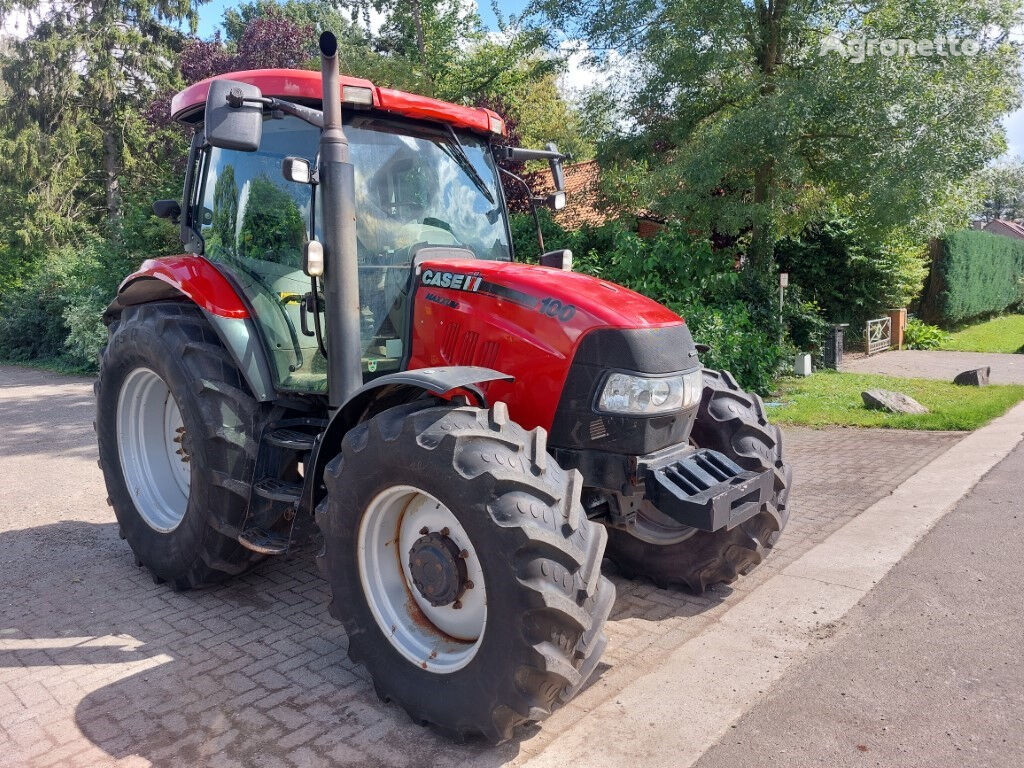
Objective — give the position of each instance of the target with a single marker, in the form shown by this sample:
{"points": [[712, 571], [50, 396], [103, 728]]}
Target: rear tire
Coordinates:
{"points": [[732, 422], [519, 523], [169, 347]]}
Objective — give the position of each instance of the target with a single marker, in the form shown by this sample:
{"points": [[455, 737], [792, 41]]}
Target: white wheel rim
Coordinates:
{"points": [[655, 527], [442, 638], [150, 443]]}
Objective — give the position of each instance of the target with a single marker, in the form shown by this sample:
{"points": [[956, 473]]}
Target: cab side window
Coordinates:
{"points": [[249, 212]]}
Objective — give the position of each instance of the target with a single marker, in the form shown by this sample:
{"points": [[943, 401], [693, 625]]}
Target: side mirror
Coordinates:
{"points": [[167, 209], [557, 259], [234, 116], [555, 163], [296, 169], [556, 201]]}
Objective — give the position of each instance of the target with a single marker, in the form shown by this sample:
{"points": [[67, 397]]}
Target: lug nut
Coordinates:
{"points": [[464, 554], [457, 604], [469, 584], [444, 531], [424, 531]]}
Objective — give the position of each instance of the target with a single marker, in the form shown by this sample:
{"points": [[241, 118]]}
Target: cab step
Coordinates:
{"points": [[291, 439], [275, 489], [263, 541]]}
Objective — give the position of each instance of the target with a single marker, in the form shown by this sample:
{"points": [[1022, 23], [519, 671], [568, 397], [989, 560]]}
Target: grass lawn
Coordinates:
{"points": [[1000, 334], [833, 399]]}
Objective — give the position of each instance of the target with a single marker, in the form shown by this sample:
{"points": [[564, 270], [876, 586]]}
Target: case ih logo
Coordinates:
{"points": [[455, 280]]}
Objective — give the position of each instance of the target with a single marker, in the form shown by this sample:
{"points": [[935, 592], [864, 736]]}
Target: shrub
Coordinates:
{"points": [[973, 274], [920, 335], [55, 313], [32, 322], [851, 278]]}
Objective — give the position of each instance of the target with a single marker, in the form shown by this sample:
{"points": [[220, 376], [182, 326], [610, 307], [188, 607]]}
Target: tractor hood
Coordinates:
{"points": [[528, 287], [529, 321]]}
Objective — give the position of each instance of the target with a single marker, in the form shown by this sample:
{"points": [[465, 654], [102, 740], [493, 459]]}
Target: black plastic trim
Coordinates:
{"points": [[645, 351]]}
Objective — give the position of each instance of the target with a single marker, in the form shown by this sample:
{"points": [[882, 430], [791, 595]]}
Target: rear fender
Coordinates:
{"points": [[193, 278], [387, 392]]}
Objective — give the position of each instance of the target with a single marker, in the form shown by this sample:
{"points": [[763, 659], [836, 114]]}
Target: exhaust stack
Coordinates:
{"points": [[338, 217]]}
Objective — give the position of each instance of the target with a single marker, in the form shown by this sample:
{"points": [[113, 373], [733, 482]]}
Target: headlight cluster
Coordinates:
{"points": [[646, 395]]}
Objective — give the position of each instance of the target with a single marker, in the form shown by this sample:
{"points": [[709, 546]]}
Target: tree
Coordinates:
{"points": [[1001, 190], [440, 48], [82, 74], [747, 118]]}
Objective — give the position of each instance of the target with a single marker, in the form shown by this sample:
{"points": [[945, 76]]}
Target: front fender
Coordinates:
{"points": [[389, 390], [196, 279], [174, 276]]}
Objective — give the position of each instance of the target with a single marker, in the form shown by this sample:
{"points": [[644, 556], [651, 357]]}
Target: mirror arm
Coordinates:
{"points": [[522, 154], [308, 114], [533, 204]]}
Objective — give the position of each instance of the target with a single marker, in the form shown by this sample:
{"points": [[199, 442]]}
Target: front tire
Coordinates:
{"points": [[176, 427], [734, 423], [424, 498]]}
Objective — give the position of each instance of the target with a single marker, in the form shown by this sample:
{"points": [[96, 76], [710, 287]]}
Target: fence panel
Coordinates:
{"points": [[878, 335]]}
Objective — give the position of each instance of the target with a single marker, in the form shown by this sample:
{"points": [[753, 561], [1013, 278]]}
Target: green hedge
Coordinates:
{"points": [[973, 274]]}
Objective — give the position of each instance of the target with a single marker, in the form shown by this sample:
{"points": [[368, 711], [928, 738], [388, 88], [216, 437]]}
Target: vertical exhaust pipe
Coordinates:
{"points": [[338, 217]]}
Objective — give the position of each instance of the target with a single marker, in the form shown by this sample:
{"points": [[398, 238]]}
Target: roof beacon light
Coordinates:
{"points": [[357, 95], [496, 124]]}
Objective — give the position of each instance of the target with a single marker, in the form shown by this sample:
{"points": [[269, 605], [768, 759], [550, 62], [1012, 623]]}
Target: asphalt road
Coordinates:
{"points": [[939, 364], [926, 670]]}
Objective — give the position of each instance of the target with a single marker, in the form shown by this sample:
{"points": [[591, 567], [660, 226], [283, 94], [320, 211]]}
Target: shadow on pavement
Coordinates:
{"points": [[252, 673]]}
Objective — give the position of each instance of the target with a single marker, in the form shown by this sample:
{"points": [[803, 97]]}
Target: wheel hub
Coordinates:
{"points": [[422, 577], [438, 568]]}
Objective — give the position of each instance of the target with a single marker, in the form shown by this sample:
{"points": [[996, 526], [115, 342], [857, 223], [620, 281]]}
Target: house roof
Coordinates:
{"points": [[1005, 227], [582, 182]]}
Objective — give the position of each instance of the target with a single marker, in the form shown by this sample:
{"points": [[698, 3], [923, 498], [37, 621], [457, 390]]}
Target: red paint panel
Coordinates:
{"points": [[305, 85], [195, 277], [505, 323]]}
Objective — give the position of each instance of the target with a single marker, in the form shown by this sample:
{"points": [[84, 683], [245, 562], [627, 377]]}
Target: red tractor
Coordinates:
{"points": [[350, 353]]}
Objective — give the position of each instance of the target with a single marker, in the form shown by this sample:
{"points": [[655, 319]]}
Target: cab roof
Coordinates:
{"points": [[305, 86]]}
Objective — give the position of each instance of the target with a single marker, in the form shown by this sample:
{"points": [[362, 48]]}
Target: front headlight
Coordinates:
{"points": [[647, 395]]}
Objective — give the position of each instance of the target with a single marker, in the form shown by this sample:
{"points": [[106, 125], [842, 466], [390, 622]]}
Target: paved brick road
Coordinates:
{"points": [[100, 666]]}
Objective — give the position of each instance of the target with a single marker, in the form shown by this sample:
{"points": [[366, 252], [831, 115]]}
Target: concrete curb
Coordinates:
{"points": [[672, 715]]}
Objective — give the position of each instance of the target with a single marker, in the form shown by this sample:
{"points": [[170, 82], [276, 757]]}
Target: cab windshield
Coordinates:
{"points": [[415, 185]]}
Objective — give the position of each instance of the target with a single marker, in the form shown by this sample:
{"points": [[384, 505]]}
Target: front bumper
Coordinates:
{"points": [[696, 487], [704, 489]]}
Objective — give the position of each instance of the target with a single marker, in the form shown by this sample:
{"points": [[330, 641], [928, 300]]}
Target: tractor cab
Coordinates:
{"points": [[419, 184]]}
